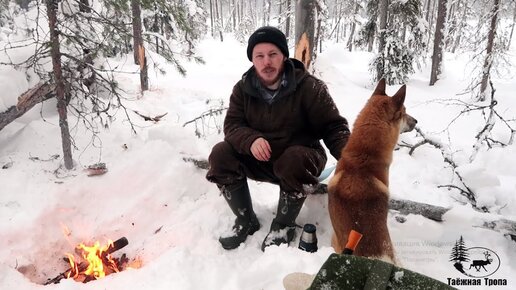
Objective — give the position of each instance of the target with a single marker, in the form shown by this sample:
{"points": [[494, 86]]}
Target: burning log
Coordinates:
{"points": [[87, 267], [117, 245], [64, 275]]}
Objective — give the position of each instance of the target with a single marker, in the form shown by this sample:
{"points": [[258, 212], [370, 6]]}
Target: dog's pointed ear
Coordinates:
{"points": [[399, 97], [380, 88]]}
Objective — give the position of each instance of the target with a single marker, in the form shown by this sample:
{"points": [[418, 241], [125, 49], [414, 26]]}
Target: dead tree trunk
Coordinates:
{"points": [[460, 27], [26, 101], [512, 29], [211, 19], [233, 7], [353, 26], [437, 56], [430, 18], [137, 29], [84, 6], [138, 48], [488, 62], [267, 12], [287, 22], [218, 20], [142, 59], [306, 20], [59, 81], [383, 6]]}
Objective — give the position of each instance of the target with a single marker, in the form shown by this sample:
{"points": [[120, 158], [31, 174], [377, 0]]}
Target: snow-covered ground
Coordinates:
{"points": [[173, 217]]}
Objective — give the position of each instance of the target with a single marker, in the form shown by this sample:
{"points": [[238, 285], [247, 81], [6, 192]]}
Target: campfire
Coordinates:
{"points": [[93, 262]]}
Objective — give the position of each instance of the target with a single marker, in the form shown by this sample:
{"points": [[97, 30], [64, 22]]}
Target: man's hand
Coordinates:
{"points": [[261, 149]]}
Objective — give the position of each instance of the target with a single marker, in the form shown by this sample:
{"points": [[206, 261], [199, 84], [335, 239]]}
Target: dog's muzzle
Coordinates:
{"points": [[408, 124]]}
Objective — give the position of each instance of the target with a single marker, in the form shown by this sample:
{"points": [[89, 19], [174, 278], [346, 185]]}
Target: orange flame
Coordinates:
{"points": [[97, 261]]}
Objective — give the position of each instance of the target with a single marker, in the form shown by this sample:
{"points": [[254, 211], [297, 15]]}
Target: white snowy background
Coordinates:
{"points": [[173, 217]]}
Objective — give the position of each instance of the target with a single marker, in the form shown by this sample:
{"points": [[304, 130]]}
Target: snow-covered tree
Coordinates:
{"points": [[88, 37], [486, 41], [401, 42]]}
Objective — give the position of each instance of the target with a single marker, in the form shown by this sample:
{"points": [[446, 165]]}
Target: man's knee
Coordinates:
{"points": [[224, 166], [293, 157], [220, 152], [300, 162]]}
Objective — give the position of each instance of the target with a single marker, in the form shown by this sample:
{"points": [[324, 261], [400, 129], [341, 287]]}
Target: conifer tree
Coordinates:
{"points": [[88, 37], [459, 251], [401, 42]]}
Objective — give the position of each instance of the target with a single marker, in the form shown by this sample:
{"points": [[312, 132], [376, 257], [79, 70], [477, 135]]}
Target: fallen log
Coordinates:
{"points": [[504, 226], [429, 211], [406, 207], [41, 92]]}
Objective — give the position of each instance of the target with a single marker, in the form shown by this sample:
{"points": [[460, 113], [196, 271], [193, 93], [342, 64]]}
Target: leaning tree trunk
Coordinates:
{"points": [[59, 81], [27, 101], [137, 29], [437, 56], [306, 20], [488, 62]]}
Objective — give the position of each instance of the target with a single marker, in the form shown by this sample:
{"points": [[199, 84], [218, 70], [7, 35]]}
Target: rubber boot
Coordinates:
{"points": [[283, 226], [246, 223]]}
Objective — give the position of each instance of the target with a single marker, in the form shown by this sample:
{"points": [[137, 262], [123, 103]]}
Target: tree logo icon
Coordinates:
{"points": [[476, 262]]}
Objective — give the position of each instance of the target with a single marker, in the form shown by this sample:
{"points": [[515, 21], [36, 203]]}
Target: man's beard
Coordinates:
{"points": [[268, 83]]}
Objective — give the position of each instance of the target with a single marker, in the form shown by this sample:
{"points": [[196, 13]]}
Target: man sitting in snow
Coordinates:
{"points": [[277, 115]]}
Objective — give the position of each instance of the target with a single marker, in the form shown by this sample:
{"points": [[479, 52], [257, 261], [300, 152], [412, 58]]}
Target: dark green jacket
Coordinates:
{"points": [[301, 114]]}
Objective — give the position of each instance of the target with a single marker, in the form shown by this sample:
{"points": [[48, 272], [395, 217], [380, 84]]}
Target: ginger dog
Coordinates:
{"points": [[359, 190]]}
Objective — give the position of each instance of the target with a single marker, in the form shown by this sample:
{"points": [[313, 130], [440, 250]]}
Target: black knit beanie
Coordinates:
{"points": [[267, 34]]}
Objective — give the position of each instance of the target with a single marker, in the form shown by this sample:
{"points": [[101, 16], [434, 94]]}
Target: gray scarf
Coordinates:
{"points": [[266, 94]]}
